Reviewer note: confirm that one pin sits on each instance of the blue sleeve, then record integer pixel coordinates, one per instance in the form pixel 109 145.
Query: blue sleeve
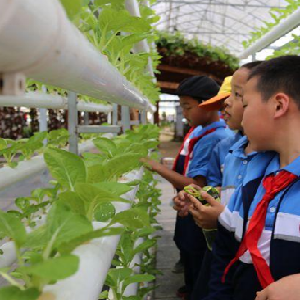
pixel 201 156
pixel 214 175
pixel 224 250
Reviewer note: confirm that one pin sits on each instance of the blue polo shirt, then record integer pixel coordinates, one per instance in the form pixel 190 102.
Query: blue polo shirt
pixel 189 237
pixel 257 163
pixel 288 216
pixel 217 159
pixel 241 283
pixel 279 243
pixel 199 163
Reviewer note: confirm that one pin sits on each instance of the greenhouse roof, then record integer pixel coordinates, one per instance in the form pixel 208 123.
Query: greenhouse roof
pixel 221 23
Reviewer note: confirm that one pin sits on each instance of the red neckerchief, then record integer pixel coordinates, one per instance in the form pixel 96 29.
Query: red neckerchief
pixel 181 147
pixel 273 184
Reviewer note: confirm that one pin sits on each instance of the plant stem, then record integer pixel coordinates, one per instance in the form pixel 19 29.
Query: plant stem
pixel 12 281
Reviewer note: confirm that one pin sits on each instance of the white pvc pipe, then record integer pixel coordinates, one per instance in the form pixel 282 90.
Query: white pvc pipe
pixel 275 33
pixel 37 39
pixel 41 100
pixel 133 7
pixel 30 167
pixel 95 260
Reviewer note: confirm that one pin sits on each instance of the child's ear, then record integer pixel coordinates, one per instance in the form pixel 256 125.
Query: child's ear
pixel 281 103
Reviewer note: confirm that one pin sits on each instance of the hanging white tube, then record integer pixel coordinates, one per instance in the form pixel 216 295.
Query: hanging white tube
pixel 41 100
pixel 37 39
pixel 133 7
pixel 275 33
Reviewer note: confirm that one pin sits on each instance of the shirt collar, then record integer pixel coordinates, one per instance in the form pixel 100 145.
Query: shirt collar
pixel 218 124
pixel 274 166
pixel 238 149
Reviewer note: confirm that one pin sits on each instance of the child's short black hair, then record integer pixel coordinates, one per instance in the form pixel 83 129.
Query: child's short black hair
pixel 251 65
pixel 278 74
pixel 200 88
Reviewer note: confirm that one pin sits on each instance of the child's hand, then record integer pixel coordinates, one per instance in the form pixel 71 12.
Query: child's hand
pixel 287 288
pixel 150 164
pixel 205 216
pixel 181 204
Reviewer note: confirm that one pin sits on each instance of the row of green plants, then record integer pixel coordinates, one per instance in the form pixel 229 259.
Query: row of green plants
pixel 176 44
pixel 14 151
pixel 83 190
pixel 114 32
pixel 277 14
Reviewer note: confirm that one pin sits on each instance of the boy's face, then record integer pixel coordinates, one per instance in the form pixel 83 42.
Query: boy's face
pixel 192 112
pixel 258 118
pixel 234 103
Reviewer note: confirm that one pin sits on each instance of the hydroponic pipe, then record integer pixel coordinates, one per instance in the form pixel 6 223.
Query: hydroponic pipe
pixel 41 100
pixel 95 260
pixel 274 34
pixel 28 168
pixel 133 7
pixel 37 39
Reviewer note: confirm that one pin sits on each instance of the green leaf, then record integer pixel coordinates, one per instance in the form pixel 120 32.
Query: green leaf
pixel 104 2
pixel 103 295
pixel 94 196
pixel 12 227
pixel 116 188
pixel 65 225
pixel 14 293
pixel 62 225
pixel 106 146
pixel 54 268
pixel 104 212
pixel 67 168
pixel 137 278
pixel 73 7
pixel 73 201
pixel 3 144
pixel 122 21
pixel 126 249
pixel 72 244
pixel 91 159
pixel 114 168
pixel 144 246
pixel 133 218
pixel 116 276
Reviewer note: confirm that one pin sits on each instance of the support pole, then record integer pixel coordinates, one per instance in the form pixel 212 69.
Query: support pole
pixel 143 117
pixel 115 114
pixel 43 123
pixel 73 122
pixel 109 118
pixel 125 112
pixel 86 118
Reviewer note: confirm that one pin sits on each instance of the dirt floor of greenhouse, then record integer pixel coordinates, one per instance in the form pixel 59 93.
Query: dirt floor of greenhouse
pixel 167 253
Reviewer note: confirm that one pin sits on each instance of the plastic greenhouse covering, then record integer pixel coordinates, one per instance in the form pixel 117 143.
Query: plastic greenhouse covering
pixel 224 23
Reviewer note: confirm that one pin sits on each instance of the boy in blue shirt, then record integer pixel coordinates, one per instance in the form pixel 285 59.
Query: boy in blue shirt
pixel 236 164
pixel 191 167
pixel 257 247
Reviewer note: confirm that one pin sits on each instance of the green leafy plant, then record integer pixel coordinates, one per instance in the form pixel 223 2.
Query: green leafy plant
pixel 174 44
pixel 44 254
pixel 277 14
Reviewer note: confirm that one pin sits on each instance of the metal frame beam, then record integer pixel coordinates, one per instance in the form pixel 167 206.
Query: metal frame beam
pixel 218 3
pixel 98 129
pixel 214 12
